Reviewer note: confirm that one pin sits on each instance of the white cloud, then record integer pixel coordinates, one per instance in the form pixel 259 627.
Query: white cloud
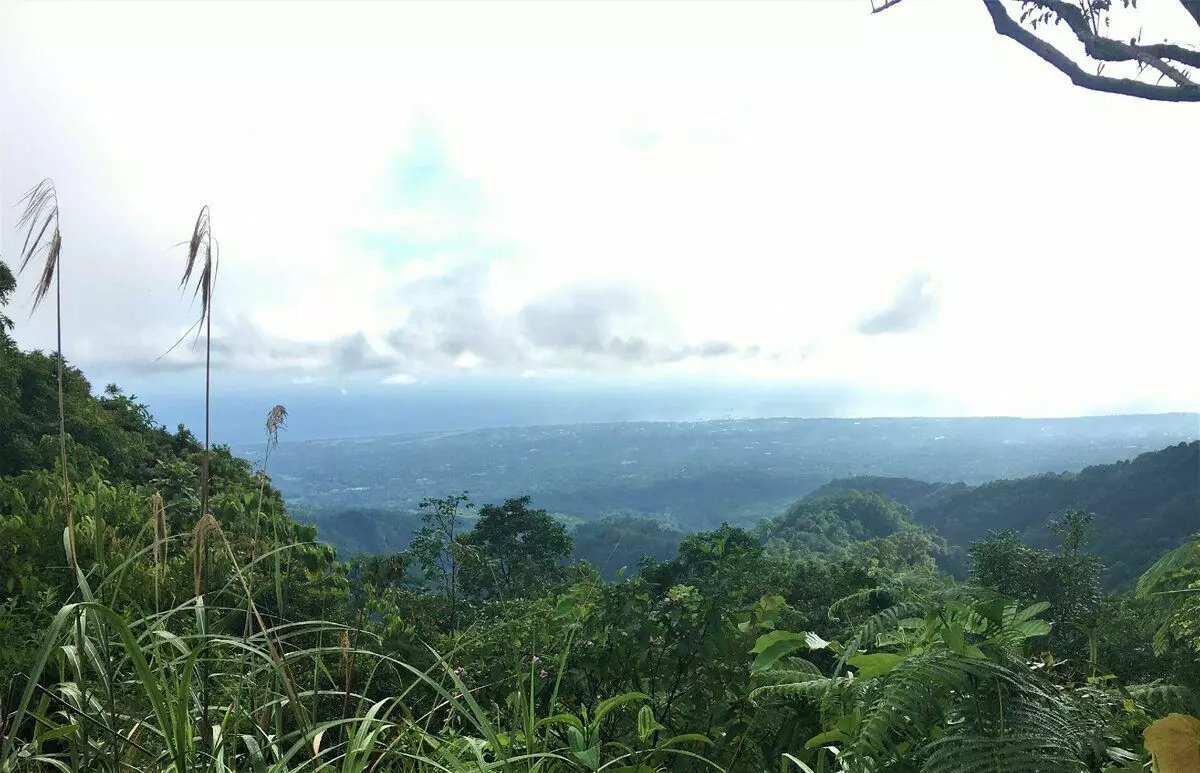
pixel 773 173
pixel 400 378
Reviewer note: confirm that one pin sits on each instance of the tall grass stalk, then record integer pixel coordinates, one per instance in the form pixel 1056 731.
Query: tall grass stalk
pixel 202 261
pixel 43 239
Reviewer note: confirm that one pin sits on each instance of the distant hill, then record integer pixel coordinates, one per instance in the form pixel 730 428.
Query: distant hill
pixel 829 526
pixel 913 494
pixel 1142 507
pixel 695 475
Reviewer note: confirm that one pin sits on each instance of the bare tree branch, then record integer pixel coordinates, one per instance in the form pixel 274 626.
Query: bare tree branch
pixel 1191 6
pixel 1166 58
pixel 1108 50
pixel 1009 28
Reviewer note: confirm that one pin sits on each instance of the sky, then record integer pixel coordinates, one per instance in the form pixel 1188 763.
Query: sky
pixel 795 195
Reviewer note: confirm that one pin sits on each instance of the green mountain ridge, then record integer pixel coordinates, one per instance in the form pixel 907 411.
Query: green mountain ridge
pixel 1141 506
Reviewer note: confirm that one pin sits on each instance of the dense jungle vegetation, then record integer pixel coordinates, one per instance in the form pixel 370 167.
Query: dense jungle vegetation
pixel 160 610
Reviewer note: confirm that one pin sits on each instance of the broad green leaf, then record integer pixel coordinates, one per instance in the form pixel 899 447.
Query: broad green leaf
pixel 773 646
pixel 953 636
pixel 875 664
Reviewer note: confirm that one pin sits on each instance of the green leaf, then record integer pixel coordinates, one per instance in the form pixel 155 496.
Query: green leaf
pixel 953 636
pixel 569 720
pixel 615 703
pixel 576 739
pixel 826 738
pixel 1032 628
pixel 796 761
pixel 875 664
pixel 772 646
pixel 684 738
pixel 647 724
pixel 257 761
pixel 1032 611
pixel 564 607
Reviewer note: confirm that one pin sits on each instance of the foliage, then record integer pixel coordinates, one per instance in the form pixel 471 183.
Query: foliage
pixel 438 547
pixel 613 544
pixel 831 526
pixel 1139 508
pixel 1174 582
pixel 185 639
pixel 513 550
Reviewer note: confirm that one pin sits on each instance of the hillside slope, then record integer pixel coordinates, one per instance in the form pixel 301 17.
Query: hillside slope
pixel 1142 507
pixel 913 494
pixel 832 526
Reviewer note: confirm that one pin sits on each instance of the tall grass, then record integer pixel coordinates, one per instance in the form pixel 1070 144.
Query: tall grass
pixel 43 240
pixel 127 696
pixel 202 261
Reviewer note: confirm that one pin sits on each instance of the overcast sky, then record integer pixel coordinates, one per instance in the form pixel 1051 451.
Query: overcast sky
pixel 798 193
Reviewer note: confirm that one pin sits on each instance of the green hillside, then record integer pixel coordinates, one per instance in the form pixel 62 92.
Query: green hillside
pixel 1141 507
pixel 913 494
pixel 830 527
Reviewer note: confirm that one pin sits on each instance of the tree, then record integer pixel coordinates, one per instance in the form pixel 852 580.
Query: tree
pixel 437 546
pixel 8 283
pixel 1090 24
pixel 1068 580
pixel 515 551
pixel 1073 529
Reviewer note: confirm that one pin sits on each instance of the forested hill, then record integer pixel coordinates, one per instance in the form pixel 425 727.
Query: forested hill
pixel 913 494
pixel 1142 507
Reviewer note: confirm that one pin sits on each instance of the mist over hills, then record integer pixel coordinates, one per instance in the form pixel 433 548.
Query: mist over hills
pixel 689 476
pixel 323 410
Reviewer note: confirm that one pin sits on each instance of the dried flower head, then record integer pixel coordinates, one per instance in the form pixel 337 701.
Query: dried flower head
pixel 276 420
pixel 202 247
pixel 42 237
pixel 204 527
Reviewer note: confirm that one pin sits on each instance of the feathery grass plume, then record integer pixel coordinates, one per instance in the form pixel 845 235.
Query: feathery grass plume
pixel 41 207
pixel 200 533
pixel 43 238
pixel 276 420
pixel 203 252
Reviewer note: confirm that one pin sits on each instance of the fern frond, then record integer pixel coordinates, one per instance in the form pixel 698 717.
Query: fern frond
pixel 1162 699
pixel 1029 753
pixel 1186 556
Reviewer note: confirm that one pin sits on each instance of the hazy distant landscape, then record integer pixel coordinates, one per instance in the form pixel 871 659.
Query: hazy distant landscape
pixel 600 387
pixel 688 475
